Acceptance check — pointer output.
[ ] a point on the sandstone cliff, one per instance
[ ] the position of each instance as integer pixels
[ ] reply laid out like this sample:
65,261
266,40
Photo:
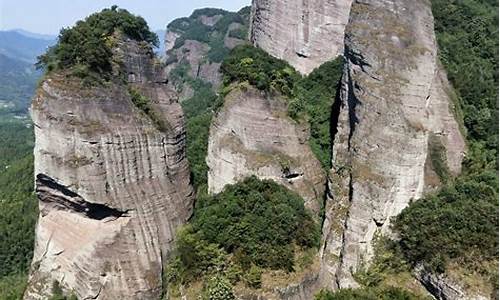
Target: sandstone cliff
304,33
394,111
252,135
395,132
113,185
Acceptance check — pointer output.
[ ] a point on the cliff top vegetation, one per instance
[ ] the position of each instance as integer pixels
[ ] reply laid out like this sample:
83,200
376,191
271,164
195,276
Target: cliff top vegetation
86,48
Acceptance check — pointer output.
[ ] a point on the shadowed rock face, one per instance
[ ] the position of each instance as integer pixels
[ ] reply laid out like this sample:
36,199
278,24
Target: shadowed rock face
112,187
305,33
252,135
394,103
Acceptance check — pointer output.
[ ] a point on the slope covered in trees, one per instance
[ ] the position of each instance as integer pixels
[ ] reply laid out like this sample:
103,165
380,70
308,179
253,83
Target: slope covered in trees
18,207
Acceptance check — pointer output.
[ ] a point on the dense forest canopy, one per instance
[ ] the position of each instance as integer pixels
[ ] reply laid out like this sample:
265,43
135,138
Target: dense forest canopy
18,206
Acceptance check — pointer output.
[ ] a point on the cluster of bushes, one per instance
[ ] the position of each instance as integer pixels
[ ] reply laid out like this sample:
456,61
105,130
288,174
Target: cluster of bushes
310,98
250,226
313,102
461,221
248,63
86,48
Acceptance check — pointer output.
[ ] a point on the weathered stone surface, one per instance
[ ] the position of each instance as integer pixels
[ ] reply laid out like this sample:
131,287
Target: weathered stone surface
170,39
394,102
252,135
210,20
112,186
193,53
306,33
443,288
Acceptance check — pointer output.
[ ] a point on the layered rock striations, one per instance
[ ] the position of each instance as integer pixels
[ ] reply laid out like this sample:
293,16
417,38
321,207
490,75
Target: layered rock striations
305,33
395,135
112,182
252,135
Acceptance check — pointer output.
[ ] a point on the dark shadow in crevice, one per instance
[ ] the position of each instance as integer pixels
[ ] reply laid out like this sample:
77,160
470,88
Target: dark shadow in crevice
51,192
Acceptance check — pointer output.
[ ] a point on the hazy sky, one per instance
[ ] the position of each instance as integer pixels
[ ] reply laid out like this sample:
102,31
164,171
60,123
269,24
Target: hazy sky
48,16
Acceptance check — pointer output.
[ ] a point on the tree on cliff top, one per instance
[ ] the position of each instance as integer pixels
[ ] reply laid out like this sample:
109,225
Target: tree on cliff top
86,47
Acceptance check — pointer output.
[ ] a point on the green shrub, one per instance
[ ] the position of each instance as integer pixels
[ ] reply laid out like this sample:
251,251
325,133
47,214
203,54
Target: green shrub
198,112
144,104
12,287
253,278
196,256
247,63
86,47
313,100
219,288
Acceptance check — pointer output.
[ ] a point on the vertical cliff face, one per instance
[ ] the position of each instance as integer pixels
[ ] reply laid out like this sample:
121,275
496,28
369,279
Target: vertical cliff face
252,135
112,183
395,132
306,33
394,127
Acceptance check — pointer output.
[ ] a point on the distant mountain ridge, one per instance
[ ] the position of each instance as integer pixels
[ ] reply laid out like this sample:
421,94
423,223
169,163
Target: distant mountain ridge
18,53
40,36
23,45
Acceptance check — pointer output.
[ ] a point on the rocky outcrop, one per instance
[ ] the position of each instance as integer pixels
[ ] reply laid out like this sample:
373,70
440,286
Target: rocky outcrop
113,185
198,57
394,104
170,39
252,135
443,288
192,54
305,33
